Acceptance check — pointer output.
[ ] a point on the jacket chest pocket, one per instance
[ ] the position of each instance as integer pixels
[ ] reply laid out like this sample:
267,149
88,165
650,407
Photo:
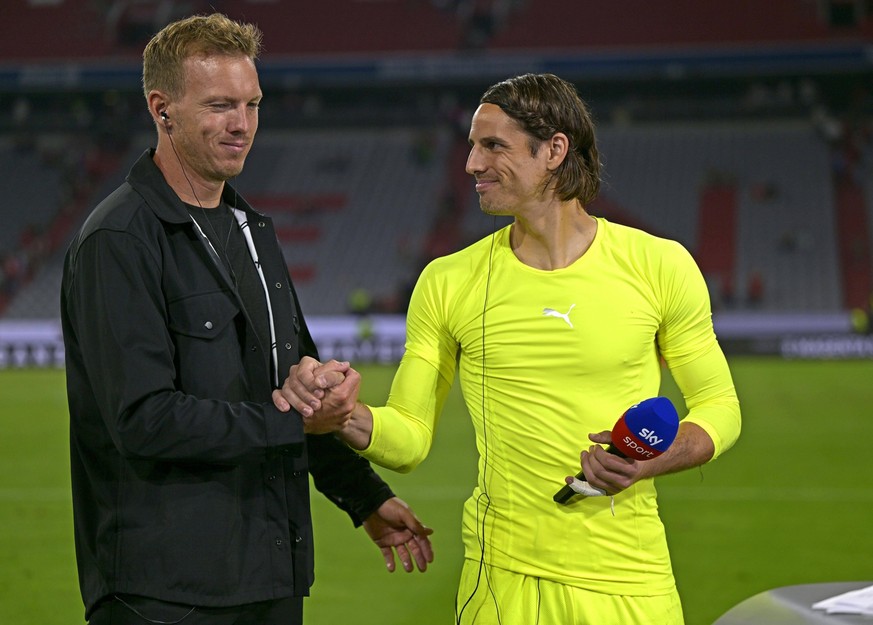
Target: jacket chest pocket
207,346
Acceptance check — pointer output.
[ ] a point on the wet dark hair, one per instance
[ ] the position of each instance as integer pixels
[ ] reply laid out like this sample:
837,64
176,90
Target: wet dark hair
543,105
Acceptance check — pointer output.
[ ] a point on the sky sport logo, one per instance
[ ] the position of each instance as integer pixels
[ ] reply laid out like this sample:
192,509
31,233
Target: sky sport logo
646,429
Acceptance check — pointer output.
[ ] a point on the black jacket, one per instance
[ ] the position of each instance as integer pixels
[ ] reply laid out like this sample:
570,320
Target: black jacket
188,484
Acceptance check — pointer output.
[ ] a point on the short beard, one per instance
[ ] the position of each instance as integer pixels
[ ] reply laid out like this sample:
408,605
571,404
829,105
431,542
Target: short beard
491,209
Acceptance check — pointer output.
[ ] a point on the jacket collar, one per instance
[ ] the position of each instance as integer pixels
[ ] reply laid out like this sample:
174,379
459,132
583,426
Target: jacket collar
149,182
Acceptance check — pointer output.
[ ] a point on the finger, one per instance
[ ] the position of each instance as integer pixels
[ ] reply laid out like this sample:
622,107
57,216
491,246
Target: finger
303,382
591,467
298,394
349,385
344,396
304,369
335,365
330,373
606,471
422,551
405,558
329,379
418,556
280,402
613,463
293,400
388,554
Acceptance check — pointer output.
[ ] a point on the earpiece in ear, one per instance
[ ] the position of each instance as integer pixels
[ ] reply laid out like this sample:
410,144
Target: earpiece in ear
164,116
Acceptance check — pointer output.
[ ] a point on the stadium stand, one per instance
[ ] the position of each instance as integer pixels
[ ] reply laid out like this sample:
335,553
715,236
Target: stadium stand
656,174
354,208
597,24
351,207
83,30
32,194
371,200
48,184
366,181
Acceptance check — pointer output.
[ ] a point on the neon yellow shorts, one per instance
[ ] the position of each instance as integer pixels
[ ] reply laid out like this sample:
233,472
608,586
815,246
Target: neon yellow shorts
502,597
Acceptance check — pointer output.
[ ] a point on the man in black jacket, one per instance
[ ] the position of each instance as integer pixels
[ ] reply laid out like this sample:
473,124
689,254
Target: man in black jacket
190,489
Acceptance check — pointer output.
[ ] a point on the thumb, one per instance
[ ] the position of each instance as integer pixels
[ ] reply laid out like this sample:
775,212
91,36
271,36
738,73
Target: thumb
600,437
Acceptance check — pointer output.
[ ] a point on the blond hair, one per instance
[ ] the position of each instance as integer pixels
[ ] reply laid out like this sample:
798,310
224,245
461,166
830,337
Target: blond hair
164,56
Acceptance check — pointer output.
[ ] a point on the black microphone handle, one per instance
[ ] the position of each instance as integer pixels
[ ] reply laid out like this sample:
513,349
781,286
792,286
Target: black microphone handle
563,495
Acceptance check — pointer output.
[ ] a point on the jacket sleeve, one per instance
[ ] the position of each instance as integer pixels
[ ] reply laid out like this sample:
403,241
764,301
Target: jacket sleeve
119,318
345,478
339,473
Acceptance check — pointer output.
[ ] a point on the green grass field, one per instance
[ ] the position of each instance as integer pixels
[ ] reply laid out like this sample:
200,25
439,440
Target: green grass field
792,503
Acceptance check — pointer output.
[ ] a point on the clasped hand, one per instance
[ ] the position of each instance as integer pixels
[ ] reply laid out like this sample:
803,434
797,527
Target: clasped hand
323,393
606,471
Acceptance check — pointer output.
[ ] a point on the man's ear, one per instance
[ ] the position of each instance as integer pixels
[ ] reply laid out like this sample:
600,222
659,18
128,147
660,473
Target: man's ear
558,146
158,103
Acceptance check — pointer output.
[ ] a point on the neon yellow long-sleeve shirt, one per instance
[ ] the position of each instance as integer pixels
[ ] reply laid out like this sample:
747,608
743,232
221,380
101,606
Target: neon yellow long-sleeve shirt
544,358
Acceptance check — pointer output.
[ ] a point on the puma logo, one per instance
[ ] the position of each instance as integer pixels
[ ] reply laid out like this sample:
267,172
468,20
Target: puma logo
551,312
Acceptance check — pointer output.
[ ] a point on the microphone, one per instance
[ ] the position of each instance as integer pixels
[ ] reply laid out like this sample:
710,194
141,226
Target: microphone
643,432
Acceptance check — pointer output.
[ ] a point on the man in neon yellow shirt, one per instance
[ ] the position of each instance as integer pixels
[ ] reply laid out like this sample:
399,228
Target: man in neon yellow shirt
555,325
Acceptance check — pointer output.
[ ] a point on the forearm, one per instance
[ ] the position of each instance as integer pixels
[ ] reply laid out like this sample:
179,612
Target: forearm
398,436
691,448
176,427
711,398
358,431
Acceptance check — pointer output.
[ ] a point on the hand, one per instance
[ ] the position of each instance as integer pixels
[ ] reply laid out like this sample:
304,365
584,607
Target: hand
324,394
607,471
395,527
303,389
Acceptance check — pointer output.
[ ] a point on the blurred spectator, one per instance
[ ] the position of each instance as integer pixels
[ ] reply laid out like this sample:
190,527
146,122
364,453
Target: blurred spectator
360,301
22,135
755,289
862,318
423,148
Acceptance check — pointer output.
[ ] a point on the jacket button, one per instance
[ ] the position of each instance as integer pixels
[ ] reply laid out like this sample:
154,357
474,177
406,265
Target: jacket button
287,345
278,542
261,224
271,478
278,285
298,539
208,325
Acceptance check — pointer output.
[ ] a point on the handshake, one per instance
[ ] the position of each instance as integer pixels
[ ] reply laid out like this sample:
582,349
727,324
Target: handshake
325,395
